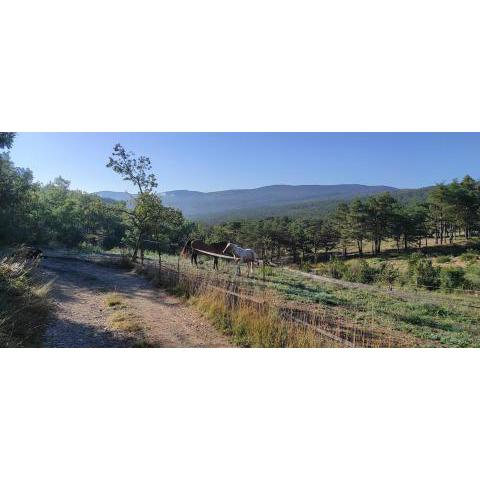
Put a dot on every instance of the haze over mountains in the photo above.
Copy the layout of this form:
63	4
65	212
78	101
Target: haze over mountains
300	200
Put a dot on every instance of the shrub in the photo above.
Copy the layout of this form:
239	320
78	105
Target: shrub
24	304
472	276
336	268
469	256
452	278
422	272
359	271
444	259
388	274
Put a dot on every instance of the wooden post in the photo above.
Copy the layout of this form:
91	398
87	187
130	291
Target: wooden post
263	269
159	263
178	269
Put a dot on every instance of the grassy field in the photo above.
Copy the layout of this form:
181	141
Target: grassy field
374	316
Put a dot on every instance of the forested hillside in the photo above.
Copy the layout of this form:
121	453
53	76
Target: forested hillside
256	202
304	201
308	209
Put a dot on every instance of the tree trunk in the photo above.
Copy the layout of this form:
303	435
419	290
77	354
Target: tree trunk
360	247
137	246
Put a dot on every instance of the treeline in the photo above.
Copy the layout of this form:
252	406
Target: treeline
450	211
55	214
36	214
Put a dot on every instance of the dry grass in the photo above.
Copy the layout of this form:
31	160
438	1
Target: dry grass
250	321
121	317
24	304
252	325
125	322
115	300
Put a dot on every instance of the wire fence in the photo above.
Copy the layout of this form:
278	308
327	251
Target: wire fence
327	324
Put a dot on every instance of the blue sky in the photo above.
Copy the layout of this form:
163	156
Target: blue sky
218	161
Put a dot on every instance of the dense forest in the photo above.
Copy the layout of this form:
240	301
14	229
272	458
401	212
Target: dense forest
54	214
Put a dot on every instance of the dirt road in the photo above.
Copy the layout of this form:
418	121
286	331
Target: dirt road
144	316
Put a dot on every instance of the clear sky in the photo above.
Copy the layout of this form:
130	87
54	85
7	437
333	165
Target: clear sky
219	161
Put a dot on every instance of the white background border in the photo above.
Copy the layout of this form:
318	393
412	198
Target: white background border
239	66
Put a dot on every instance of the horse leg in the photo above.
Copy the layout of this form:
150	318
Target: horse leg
215	263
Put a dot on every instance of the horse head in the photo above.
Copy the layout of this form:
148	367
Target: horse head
227	247
186	249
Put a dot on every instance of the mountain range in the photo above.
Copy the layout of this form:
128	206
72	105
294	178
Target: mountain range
274	200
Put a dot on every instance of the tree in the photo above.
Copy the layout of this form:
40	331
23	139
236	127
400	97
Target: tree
134	170
6	139
357	218
164	225
315	235
441	214
380	211
328	237
16	193
464	200
341	220
296	231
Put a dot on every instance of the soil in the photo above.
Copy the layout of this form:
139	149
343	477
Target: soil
82	318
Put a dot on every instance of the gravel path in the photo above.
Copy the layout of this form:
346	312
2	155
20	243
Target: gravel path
81	316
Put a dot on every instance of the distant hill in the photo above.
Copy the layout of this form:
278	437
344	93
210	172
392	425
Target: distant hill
301	200
117	196
126	197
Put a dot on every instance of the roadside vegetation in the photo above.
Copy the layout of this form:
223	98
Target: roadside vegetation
24	304
322	313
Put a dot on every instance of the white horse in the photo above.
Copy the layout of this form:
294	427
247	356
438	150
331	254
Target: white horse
243	255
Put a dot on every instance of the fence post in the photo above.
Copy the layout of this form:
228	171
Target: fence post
159	266
178	269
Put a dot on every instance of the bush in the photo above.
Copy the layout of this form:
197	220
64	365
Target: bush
336	268
472	276
422	272
24	304
469	256
359	271
388	274
452	278
444	259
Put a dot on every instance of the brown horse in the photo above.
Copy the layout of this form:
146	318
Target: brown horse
197	247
